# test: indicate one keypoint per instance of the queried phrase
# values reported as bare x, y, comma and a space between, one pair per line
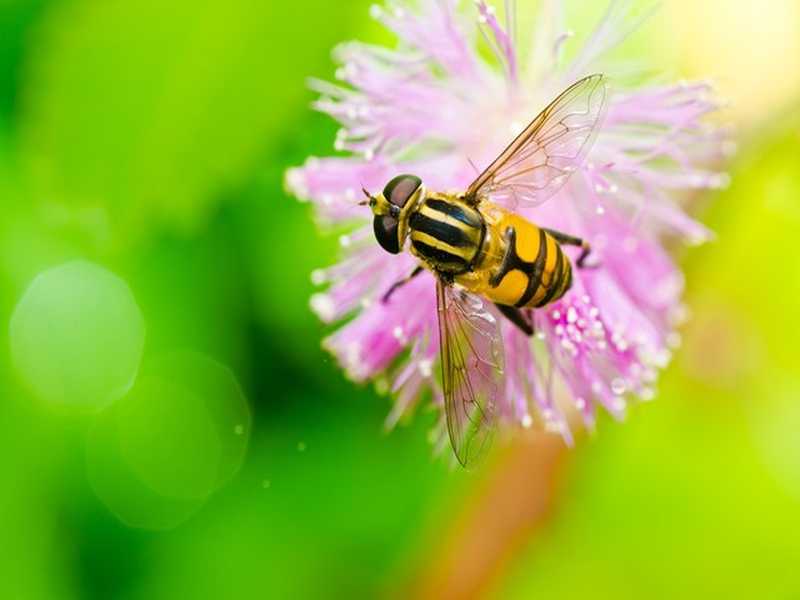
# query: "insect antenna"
367, 194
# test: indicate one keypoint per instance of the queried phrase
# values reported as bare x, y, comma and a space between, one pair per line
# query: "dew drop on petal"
618, 386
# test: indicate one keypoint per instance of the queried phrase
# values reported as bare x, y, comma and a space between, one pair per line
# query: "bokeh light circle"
156, 455
77, 336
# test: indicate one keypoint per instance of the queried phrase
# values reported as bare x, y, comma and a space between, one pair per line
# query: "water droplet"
600, 210
618, 386
239, 429
301, 446
266, 484
527, 421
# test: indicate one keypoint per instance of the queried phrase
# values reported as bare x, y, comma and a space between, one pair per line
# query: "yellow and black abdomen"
446, 233
525, 266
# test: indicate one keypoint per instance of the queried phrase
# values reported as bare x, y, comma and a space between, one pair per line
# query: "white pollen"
345, 241
580, 404
600, 210
425, 367
318, 277
515, 128
618, 386
375, 11
527, 421
572, 315
647, 394
323, 306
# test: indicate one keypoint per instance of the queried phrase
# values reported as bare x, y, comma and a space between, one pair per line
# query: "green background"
151, 139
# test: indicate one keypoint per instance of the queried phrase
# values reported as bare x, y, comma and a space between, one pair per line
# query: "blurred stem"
509, 507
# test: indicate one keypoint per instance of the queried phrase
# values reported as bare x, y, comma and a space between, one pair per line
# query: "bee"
482, 252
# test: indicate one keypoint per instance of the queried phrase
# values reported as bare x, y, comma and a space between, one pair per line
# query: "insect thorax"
446, 233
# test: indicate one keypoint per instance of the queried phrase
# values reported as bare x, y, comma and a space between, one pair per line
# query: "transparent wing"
541, 159
472, 370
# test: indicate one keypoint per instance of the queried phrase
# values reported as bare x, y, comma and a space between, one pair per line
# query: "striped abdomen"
523, 265
534, 270
447, 234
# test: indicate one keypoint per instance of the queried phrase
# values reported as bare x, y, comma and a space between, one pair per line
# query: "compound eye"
385, 227
400, 189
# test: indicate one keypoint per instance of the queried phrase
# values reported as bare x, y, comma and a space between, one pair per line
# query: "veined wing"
472, 370
541, 158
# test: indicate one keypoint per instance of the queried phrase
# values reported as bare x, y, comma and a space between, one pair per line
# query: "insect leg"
571, 240
399, 284
515, 315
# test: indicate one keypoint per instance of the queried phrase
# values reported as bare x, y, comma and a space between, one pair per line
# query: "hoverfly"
481, 251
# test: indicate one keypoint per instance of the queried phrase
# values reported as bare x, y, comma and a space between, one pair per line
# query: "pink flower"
435, 105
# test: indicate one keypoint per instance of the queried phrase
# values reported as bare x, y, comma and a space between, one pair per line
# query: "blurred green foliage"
151, 139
